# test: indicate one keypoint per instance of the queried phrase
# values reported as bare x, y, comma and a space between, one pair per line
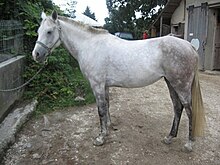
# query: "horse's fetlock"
167, 140
188, 146
100, 140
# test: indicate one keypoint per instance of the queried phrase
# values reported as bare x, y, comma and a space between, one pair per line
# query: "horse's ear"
54, 15
43, 15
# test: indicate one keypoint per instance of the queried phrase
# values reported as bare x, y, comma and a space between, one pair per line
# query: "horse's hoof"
99, 141
187, 148
167, 140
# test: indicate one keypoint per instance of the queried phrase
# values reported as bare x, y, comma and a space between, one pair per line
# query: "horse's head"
48, 37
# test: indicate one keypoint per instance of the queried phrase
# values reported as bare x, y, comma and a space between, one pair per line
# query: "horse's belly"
133, 80
134, 70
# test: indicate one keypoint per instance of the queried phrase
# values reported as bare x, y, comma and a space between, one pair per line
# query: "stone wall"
10, 77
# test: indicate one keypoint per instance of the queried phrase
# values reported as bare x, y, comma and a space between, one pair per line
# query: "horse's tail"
198, 113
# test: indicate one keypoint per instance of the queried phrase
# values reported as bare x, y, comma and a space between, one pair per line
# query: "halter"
50, 48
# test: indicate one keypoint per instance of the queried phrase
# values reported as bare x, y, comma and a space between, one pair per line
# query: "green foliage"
60, 82
28, 13
31, 13
109, 4
123, 15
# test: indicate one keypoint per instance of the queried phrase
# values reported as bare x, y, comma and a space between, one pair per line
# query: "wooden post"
161, 25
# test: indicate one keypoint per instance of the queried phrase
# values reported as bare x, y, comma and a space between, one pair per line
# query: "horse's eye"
49, 32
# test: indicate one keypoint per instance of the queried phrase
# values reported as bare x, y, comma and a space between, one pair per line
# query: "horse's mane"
82, 25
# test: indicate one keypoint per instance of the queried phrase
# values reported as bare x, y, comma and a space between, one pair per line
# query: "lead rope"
23, 85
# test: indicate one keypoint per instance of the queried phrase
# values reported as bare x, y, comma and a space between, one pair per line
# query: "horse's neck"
73, 38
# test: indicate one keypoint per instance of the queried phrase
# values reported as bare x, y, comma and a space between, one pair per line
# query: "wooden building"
193, 19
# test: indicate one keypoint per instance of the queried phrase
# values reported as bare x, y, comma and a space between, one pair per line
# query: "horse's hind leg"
178, 108
188, 145
183, 91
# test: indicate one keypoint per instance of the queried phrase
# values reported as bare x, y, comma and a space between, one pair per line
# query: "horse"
108, 61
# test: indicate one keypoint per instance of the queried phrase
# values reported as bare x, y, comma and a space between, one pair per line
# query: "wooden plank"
216, 60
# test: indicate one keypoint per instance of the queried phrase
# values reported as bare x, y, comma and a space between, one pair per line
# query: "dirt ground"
141, 117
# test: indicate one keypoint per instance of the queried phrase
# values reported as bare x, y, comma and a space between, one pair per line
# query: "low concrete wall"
10, 76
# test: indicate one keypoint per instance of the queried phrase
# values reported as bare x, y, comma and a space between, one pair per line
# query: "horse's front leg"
108, 105
102, 104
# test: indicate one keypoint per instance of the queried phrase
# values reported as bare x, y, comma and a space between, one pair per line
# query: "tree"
89, 14
122, 15
71, 9
109, 5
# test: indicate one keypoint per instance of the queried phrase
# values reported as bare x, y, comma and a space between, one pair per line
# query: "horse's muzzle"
39, 57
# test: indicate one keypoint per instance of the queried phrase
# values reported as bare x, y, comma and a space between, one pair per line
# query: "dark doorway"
216, 62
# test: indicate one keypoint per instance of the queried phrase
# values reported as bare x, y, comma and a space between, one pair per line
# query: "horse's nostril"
37, 54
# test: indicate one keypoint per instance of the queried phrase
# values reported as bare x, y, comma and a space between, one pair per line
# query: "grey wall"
10, 77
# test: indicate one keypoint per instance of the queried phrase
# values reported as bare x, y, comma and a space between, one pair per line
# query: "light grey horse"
106, 61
